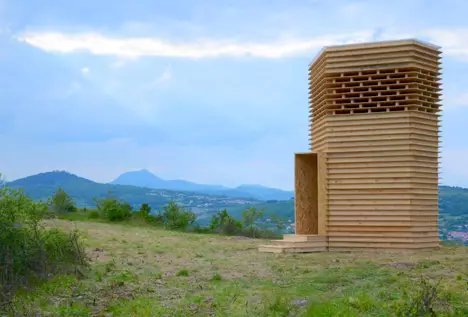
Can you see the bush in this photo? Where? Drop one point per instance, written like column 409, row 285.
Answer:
column 28, row 251
column 223, row 223
column 145, row 210
column 93, row 214
column 113, row 209
column 427, row 299
column 176, row 217
column 145, row 214
column 261, row 233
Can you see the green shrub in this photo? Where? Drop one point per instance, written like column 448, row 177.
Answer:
column 425, row 299
column 260, row 233
column 249, row 217
column 155, row 220
column 145, row 214
column 93, row 214
column 199, row 229
column 223, row 223
column 183, row 272
column 62, row 202
column 216, row 277
column 113, row 209
column 176, row 217
column 28, row 251
column 145, row 209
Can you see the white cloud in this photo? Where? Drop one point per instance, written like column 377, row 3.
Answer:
column 137, row 47
column 454, row 42
column 85, row 70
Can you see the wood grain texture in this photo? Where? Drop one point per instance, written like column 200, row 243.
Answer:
column 371, row 178
column 374, row 111
column 306, row 194
column 322, row 194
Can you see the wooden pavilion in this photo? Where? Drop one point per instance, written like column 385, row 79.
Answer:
column 370, row 179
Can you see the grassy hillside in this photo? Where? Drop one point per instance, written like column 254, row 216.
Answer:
column 143, row 271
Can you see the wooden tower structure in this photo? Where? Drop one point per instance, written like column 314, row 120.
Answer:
column 370, row 179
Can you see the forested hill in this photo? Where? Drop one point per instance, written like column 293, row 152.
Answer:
column 453, row 200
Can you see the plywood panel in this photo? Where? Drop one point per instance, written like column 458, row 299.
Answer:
column 306, row 194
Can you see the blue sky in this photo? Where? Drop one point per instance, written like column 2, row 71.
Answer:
column 209, row 91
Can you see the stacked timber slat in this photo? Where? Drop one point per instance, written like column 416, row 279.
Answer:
column 296, row 244
column 374, row 112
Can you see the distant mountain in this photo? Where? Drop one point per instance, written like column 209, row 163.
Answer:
column 144, row 178
column 83, row 191
column 266, row 193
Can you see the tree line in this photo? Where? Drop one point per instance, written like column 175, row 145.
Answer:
column 172, row 216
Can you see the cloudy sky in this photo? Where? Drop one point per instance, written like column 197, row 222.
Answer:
column 205, row 90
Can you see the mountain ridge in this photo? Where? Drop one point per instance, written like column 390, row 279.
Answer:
column 144, row 178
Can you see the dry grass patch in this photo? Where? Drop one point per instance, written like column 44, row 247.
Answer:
column 147, row 271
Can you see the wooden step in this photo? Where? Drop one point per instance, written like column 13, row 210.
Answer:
column 286, row 243
column 297, row 244
column 297, row 238
column 290, row 249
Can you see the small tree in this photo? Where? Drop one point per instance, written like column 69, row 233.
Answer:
column 62, row 202
column 145, row 214
column 145, row 210
column 177, row 217
column 222, row 222
column 249, row 217
column 279, row 222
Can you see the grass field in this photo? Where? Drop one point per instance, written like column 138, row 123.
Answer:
column 145, row 271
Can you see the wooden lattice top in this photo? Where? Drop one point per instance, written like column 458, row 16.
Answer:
column 370, row 78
